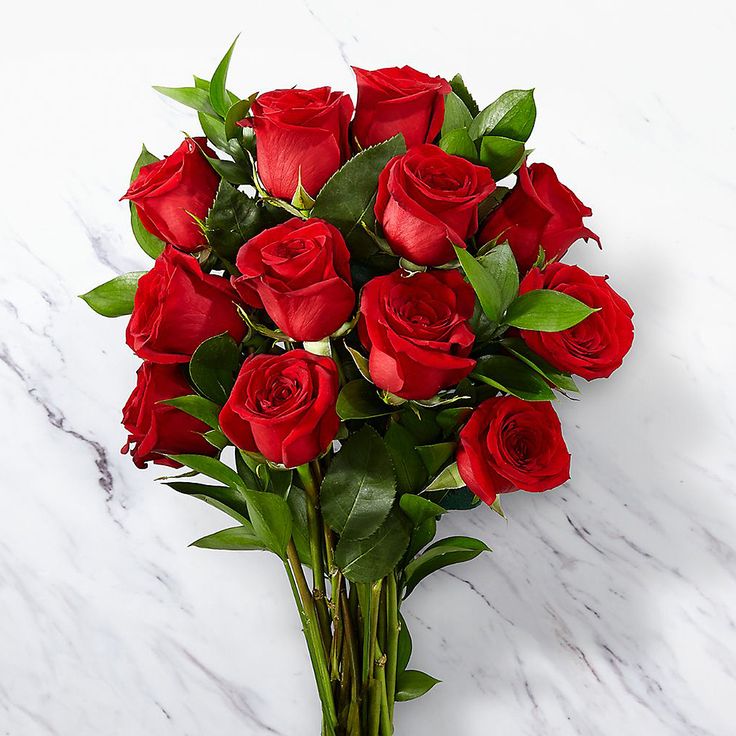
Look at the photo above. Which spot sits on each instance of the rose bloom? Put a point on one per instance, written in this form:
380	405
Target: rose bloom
300	131
283	406
177	306
398	100
427	201
595	347
157	429
539	210
416	328
299	272
167	193
511	444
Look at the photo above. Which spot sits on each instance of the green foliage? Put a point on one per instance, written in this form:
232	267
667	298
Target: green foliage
197	406
459	143
545	310
234	538
225	498
458	87
213	366
358	400
412	684
501	155
271	520
513	377
149	243
457	114
193	97
218	95
512	115
410	471
516	346
359	488
114	298
212	468
419	509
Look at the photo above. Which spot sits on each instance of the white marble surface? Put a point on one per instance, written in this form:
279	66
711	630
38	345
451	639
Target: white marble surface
607	607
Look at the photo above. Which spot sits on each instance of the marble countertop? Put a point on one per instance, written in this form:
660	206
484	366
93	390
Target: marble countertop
607	607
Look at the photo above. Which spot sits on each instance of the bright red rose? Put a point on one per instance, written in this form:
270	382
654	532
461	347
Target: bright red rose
508	444
416	328
299	272
157	429
538	211
427	201
398	100
177	306
167	193
283	406
300	130
595	347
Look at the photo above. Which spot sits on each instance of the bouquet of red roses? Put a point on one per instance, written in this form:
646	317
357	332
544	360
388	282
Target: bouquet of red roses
350	329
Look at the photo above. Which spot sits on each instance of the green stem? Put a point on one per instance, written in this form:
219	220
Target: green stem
392	639
374	713
380	674
312	634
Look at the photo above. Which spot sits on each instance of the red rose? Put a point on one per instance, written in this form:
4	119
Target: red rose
283	406
177	306
167	193
398	100
538	211
508	444
299	272
427	201
157	429
595	347
416	328
300	130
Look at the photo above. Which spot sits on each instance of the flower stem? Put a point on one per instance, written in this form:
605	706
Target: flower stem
392	639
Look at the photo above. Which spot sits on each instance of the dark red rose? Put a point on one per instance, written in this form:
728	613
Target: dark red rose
283	406
300	130
177	306
416	328
508	444
427	201
398	100
157	429
595	347
538	211
299	272
167	193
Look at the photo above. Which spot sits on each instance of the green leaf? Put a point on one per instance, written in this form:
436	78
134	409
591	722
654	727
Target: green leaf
403	653
501	264
412	684
148	242
546	310
358	400
347	197
197	406
231	171
233	219
457	499
361	362
212	468
459	143
192	97
410	471
218	92
448	419
297	501
359	488
457	114
234	538
421	536
114	298
517	347
501	155
448	478
458	87
235	114
446	552
419	509
372	558
226	499
213	366
271	520
483	283
216	439
496	506
435	456
512	115
513	377
214	130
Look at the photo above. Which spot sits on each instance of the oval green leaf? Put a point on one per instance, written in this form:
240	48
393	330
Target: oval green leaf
546	310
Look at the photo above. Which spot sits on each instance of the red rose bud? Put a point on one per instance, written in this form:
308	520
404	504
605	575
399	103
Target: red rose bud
156	429
300	131
416	328
508	444
595	347
427	201
538	211
398	100
283	406
299	272
167	193
177	306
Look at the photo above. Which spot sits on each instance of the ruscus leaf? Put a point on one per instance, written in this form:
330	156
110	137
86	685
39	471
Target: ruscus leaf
114	298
